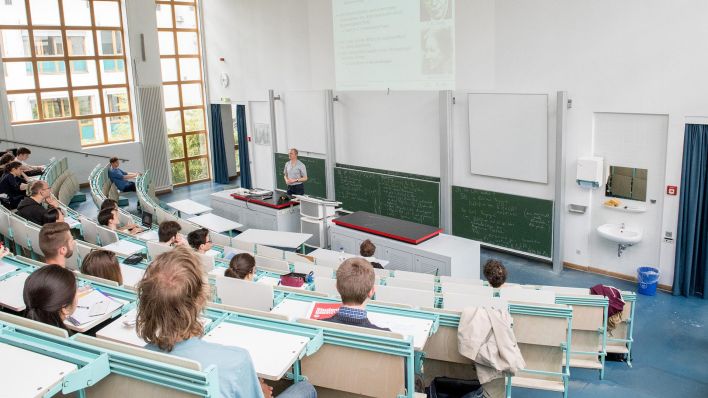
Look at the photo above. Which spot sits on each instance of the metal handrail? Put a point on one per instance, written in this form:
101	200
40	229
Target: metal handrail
62	149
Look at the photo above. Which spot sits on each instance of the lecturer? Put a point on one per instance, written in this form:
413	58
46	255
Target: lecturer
295	174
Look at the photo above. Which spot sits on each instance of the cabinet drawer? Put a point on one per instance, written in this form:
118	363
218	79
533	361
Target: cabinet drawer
397	259
429	266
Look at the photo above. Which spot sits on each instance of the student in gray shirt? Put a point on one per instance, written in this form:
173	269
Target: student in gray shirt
295	174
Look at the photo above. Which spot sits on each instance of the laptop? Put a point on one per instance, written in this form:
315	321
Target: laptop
147	220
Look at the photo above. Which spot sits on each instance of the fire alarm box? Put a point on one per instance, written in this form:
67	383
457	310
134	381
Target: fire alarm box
671	190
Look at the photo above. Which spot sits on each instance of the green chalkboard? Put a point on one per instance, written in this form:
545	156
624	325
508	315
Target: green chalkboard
402	196
515	222
316	184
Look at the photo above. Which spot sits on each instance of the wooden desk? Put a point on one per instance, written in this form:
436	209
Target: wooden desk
417	328
11	292
254	214
273	353
216	223
289	240
29	374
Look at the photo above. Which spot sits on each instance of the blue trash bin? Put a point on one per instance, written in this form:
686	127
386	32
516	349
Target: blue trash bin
648	278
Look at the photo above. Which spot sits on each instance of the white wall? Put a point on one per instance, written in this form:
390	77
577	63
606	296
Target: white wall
629	57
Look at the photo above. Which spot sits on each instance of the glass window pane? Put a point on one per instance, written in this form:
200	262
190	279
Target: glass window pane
174	122
176	147
86	102
44	12
19	75
91	131
115	100
187	43
196	144
52	74
171	95
198	169
167	43
79	43
179	173
77	13
106	13
119	128
112	71
164	15
169	69
110	42
189	69
15	43
23	107
55	104
191	94
83	73
48	43
194	119
13	14
186	17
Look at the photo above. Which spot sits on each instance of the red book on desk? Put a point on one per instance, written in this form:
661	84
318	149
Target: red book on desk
321	311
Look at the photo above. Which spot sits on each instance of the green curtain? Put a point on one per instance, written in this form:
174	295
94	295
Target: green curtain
690	277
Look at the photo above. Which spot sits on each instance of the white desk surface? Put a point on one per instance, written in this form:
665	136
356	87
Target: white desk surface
273	353
6	268
131	275
28	374
11	292
189	206
150	234
291	240
215	223
418	328
73	223
336	256
124	248
122	330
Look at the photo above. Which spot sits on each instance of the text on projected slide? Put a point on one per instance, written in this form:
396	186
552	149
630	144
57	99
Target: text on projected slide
404	45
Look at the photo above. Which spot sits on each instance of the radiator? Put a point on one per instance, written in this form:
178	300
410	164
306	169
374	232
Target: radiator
154	136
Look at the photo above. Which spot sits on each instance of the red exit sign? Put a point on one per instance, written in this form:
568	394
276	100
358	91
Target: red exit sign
671	190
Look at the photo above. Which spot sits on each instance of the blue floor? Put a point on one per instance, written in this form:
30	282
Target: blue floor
670	351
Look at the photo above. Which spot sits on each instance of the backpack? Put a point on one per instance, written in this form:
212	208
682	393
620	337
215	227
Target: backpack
613	295
446	387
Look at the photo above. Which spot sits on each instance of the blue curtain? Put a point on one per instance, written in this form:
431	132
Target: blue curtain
218	156
243	147
690	277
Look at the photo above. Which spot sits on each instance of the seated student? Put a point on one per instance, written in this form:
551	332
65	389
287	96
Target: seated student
367	250
114	205
495	272
56	243
31	207
103	264
200	240
12	185
168	233
109	218
29	170
120	177
53	214
355	284
50	295
242	266
174	284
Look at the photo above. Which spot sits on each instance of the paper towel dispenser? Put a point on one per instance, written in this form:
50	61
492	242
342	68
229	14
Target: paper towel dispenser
590	172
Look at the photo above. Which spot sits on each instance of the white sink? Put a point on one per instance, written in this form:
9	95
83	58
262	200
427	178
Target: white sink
618	233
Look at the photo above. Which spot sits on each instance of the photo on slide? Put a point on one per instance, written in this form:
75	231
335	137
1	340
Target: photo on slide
435	10
436	50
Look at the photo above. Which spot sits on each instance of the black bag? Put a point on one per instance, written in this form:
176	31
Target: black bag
447	387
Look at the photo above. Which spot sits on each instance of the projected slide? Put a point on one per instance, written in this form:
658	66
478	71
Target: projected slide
396	44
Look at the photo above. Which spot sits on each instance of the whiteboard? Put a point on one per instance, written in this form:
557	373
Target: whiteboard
509	136
305	120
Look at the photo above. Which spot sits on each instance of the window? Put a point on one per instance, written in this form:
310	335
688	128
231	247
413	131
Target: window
66	59
180	56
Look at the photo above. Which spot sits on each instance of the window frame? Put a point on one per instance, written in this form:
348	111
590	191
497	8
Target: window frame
65	61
